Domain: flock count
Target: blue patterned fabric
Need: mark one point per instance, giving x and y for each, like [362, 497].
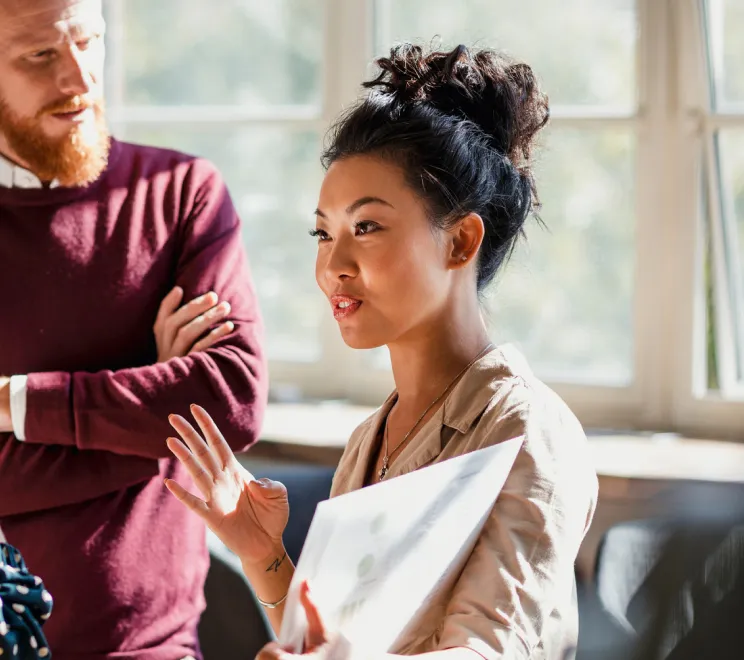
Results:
[24, 607]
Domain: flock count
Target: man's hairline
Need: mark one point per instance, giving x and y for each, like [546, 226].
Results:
[12, 21]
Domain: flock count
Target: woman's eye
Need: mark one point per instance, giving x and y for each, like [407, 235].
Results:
[320, 234]
[365, 227]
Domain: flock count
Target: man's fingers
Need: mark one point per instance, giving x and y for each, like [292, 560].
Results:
[192, 309]
[204, 482]
[191, 501]
[189, 333]
[214, 436]
[169, 305]
[198, 447]
[213, 337]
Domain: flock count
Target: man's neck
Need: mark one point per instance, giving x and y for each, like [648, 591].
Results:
[9, 155]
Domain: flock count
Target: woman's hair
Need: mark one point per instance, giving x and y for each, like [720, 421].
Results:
[461, 124]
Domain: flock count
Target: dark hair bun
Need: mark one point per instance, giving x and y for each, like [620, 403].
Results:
[461, 127]
[499, 95]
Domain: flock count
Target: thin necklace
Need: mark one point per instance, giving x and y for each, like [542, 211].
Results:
[386, 458]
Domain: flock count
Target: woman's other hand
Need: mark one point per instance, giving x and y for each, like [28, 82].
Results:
[248, 516]
[317, 639]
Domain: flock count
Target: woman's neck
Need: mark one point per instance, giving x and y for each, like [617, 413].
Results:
[425, 365]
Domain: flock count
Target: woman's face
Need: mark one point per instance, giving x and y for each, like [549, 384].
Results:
[383, 267]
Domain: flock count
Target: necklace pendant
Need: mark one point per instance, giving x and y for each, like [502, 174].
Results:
[384, 469]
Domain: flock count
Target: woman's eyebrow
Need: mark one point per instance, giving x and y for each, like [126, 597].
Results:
[362, 201]
[355, 206]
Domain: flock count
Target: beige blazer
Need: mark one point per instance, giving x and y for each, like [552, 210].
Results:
[516, 596]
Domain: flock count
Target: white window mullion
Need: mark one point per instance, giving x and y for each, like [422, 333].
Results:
[348, 49]
[696, 411]
[115, 82]
[651, 285]
[232, 114]
[724, 297]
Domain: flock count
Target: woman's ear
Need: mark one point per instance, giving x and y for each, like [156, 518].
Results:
[466, 238]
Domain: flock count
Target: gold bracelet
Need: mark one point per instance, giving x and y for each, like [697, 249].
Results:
[272, 606]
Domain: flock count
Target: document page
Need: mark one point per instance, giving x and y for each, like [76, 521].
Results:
[375, 556]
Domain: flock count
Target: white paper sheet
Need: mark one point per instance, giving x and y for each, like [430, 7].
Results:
[375, 556]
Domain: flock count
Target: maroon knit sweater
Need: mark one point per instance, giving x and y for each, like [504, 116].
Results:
[83, 271]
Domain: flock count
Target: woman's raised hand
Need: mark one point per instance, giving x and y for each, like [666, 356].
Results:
[248, 516]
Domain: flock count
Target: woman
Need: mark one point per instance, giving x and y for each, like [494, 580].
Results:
[428, 186]
[24, 608]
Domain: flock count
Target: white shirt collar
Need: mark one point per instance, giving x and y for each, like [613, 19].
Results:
[15, 176]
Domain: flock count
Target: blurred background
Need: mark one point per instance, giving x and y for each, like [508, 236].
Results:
[629, 302]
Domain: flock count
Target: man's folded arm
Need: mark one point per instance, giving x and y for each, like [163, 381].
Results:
[126, 411]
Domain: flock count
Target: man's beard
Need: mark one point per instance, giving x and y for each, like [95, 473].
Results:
[76, 159]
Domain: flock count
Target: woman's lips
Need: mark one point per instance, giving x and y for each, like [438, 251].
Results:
[344, 306]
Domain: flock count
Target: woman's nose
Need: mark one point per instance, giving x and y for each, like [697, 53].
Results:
[341, 263]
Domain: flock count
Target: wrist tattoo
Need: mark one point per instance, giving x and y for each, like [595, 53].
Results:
[276, 564]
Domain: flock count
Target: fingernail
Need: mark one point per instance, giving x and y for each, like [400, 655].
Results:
[229, 326]
[225, 306]
[212, 297]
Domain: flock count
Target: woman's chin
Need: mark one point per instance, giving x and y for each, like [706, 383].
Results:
[359, 340]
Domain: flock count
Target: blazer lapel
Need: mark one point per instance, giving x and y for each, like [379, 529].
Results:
[368, 446]
[424, 447]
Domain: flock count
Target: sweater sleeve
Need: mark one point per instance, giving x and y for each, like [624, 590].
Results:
[37, 478]
[126, 411]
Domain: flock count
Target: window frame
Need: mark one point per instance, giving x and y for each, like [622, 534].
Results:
[675, 129]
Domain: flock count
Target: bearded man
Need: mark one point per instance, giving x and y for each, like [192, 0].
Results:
[100, 243]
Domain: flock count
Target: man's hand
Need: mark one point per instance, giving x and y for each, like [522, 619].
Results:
[6, 423]
[183, 330]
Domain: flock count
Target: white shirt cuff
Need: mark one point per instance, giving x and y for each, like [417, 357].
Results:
[18, 405]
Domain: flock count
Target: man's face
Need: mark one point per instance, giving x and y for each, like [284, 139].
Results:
[51, 93]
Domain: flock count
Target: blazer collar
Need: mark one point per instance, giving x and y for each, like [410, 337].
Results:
[462, 407]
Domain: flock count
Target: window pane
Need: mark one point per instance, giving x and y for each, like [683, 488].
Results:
[189, 52]
[726, 27]
[566, 296]
[584, 50]
[274, 177]
[731, 149]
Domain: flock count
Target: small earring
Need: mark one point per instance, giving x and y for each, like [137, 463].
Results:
[464, 257]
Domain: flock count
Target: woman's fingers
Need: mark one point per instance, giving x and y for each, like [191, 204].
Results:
[214, 436]
[268, 489]
[203, 480]
[272, 651]
[196, 505]
[213, 337]
[198, 447]
[316, 634]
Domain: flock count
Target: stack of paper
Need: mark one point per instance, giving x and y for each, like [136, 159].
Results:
[376, 556]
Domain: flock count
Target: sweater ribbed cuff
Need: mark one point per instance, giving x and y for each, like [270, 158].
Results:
[49, 417]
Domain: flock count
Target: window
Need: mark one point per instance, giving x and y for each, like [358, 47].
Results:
[586, 175]
[724, 20]
[239, 83]
[630, 302]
